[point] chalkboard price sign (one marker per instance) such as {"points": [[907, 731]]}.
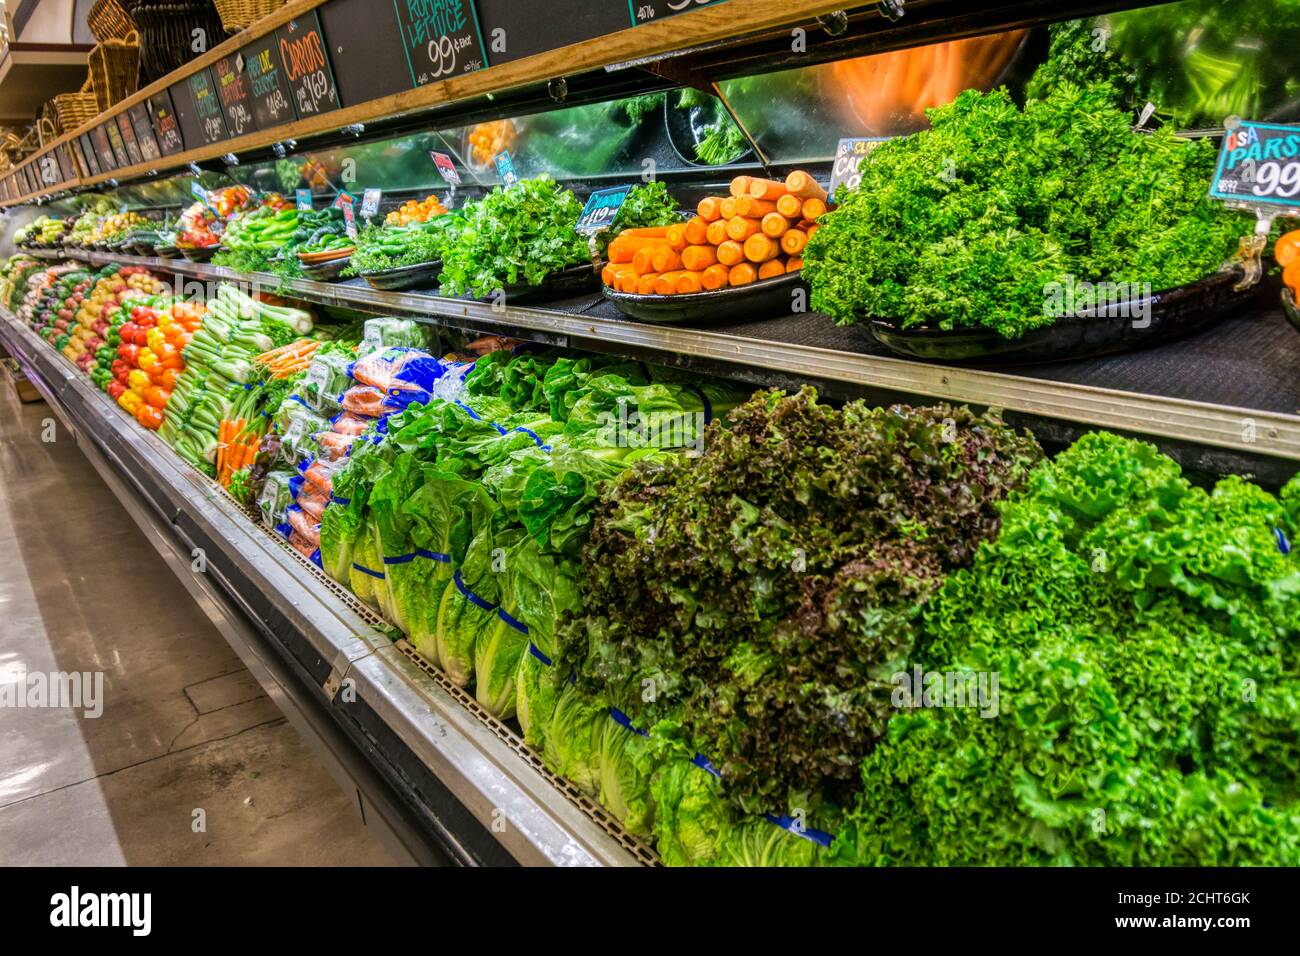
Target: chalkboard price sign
{"points": [[116, 145], [601, 209], [232, 89], [90, 162], [848, 155], [207, 108], [103, 149], [308, 75], [268, 92], [144, 132], [441, 38], [165, 126], [125, 130], [644, 11]]}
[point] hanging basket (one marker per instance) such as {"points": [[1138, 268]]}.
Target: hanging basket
{"points": [[75, 110], [47, 127], [238, 14], [115, 70], [109, 21]]}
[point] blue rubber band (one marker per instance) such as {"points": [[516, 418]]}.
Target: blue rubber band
{"points": [[1282, 543], [623, 720], [519, 626], [401, 559], [708, 406], [433, 555], [471, 596], [820, 837], [365, 570], [536, 652], [340, 501]]}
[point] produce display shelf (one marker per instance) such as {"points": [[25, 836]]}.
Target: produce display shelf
{"points": [[1223, 399], [458, 786]]}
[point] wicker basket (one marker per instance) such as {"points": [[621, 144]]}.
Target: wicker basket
{"points": [[238, 14], [167, 34], [115, 70], [108, 21], [76, 109]]}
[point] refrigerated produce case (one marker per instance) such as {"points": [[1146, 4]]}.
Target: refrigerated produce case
{"points": [[438, 774]]}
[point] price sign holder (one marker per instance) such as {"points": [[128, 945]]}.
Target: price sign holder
{"points": [[349, 220], [505, 164], [848, 155], [302, 199], [1259, 172], [598, 215], [370, 203], [447, 170]]}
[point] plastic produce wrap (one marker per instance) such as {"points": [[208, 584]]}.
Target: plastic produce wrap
{"points": [[350, 424], [369, 401], [275, 497], [382, 333], [295, 407], [326, 379], [304, 525], [298, 440], [320, 474], [304, 547], [312, 500], [398, 370], [334, 446]]}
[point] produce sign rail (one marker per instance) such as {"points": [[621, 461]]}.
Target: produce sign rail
{"points": [[1241, 415], [458, 774]]}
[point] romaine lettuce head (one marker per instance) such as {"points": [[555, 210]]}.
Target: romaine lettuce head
{"points": [[624, 788], [573, 737], [499, 646]]}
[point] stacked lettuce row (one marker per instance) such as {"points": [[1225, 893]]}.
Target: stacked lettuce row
{"points": [[1147, 636], [464, 521]]}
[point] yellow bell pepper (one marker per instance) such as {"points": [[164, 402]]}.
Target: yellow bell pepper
{"points": [[138, 381]]}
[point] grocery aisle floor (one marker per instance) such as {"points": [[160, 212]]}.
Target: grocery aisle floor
{"points": [[184, 727]]}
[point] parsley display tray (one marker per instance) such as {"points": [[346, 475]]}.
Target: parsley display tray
{"points": [[565, 282], [1291, 308], [1130, 324], [768, 297], [419, 275], [166, 252]]}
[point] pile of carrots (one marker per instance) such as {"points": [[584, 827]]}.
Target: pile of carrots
{"points": [[237, 446], [289, 359], [758, 232]]}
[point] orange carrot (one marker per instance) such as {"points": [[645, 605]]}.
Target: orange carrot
{"points": [[741, 228], [761, 248], [665, 260], [607, 275], [697, 231], [754, 208], [740, 185], [790, 206], [688, 282], [804, 186], [644, 256], [775, 225], [666, 284], [727, 208], [676, 236], [814, 209], [698, 258], [793, 241], [629, 282], [812, 230], [624, 248], [731, 252], [771, 269], [646, 284], [717, 232], [615, 272], [709, 208], [714, 277], [767, 189], [742, 274], [793, 264]]}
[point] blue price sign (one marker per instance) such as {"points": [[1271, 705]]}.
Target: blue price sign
{"points": [[506, 168], [1259, 165], [303, 197], [601, 209]]}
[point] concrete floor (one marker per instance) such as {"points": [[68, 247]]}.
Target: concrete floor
{"points": [[184, 728]]}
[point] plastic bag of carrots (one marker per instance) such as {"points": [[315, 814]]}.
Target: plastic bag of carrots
{"points": [[237, 444], [757, 232]]}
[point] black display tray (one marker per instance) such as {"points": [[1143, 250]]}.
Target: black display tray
{"points": [[328, 271], [570, 281], [200, 254], [421, 275], [1131, 324], [768, 297]]}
